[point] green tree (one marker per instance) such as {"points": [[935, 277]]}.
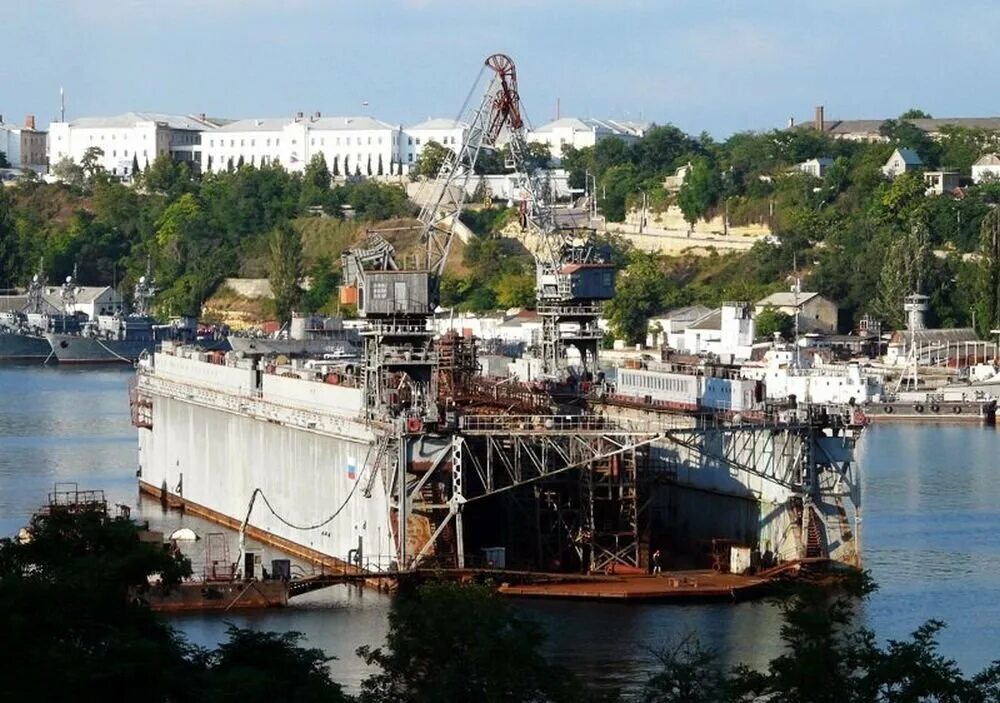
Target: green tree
{"points": [[10, 250], [988, 293], [771, 320], [90, 162], [316, 182], [266, 666], [642, 291], [915, 113], [616, 186], [481, 650], [69, 172], [285, 248], [431, 159], [516, 290], [4, 163], [700, 191], [906, 269]]}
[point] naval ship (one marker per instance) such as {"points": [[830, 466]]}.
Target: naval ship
{"points": [[26, 320], [107, 338], [307, 335]]}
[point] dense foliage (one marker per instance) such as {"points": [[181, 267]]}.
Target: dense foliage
{"points": [[192, 230], [70, 630], [855, 236]]}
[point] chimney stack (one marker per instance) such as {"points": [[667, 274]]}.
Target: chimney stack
{"points": [[820, 122], [791, 122], [29, 122], [201, 116], [318, 114], [298, 116]]}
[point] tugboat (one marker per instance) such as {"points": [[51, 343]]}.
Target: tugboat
{"points": [[108, 338]]}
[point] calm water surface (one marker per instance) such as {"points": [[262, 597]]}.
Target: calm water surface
{"points": [[931, 537]]}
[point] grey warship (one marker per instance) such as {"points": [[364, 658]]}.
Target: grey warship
{"points": [[25, 321], [114, 338]]}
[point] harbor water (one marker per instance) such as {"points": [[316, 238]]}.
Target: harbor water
{"points": [[930, 536]]}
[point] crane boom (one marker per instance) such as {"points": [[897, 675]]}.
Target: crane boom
{"points": [[498, 115]]}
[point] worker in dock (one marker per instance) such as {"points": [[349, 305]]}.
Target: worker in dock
{"points": [[657, 563]]}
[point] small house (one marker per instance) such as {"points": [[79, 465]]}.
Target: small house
{"points": [[815, 313], [987, 168], [902, 160], [816, 167], [940, 182]]}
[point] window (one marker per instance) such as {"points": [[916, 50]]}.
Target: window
{"points": [[322, 141], [241, 142], [380, 140], [338, 141], [232, 142], [114, 153], [211, 142], [126, 152], [380, 291], [268, 143], [277, 141], [418, 141], [409, 140], [312, 142], [369, 140], [409, 158], [253, 142]]}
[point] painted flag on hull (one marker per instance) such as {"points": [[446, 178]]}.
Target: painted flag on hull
{"points": [[352, 468]]}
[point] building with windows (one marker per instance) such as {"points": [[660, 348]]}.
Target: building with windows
{"points": [[449, 133], [352, 146], [23, 146], [571, 131], [135, 138], [986, 168]]}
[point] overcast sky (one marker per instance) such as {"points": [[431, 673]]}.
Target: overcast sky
{"points": [[702, 65]]}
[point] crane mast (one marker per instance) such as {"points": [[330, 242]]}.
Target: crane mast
{"points": [[397, 299]]}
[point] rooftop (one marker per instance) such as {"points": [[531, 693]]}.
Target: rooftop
{"points": [[276, 124], [909, 156], [988, 160], [935, 124], [131, 119], [711, 321], [439, 123], [786, 299], [590, 124]]}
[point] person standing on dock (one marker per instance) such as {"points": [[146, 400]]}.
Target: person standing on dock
{"points": [[657, 563]]}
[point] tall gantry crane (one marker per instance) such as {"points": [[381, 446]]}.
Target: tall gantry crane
{"points": [[397, 297]]}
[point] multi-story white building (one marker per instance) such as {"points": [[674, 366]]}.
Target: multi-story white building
{"points": [[23, 146], [583, 133], [129, 139], [351, 145], [449, 133]]}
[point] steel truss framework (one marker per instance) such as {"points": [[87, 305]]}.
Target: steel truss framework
{"points": [[812, 461]]}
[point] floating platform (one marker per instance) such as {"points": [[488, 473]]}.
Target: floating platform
{"points": [[203, 596], [679, 586]]}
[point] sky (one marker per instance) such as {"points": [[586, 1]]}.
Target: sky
{"points": [[705, 65]]}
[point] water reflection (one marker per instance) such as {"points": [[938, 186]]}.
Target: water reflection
{"points": [[930, 537]]}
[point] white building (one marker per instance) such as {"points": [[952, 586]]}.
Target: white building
{"points": [[901, 161], [986, 168], [727, 333], [23, 146], [129, 139], [815, 167], [449, 133], [351, 145], [579, 133], [668, 329]]}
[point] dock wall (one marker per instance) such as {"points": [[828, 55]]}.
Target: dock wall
{"points": [[217, 459]]}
